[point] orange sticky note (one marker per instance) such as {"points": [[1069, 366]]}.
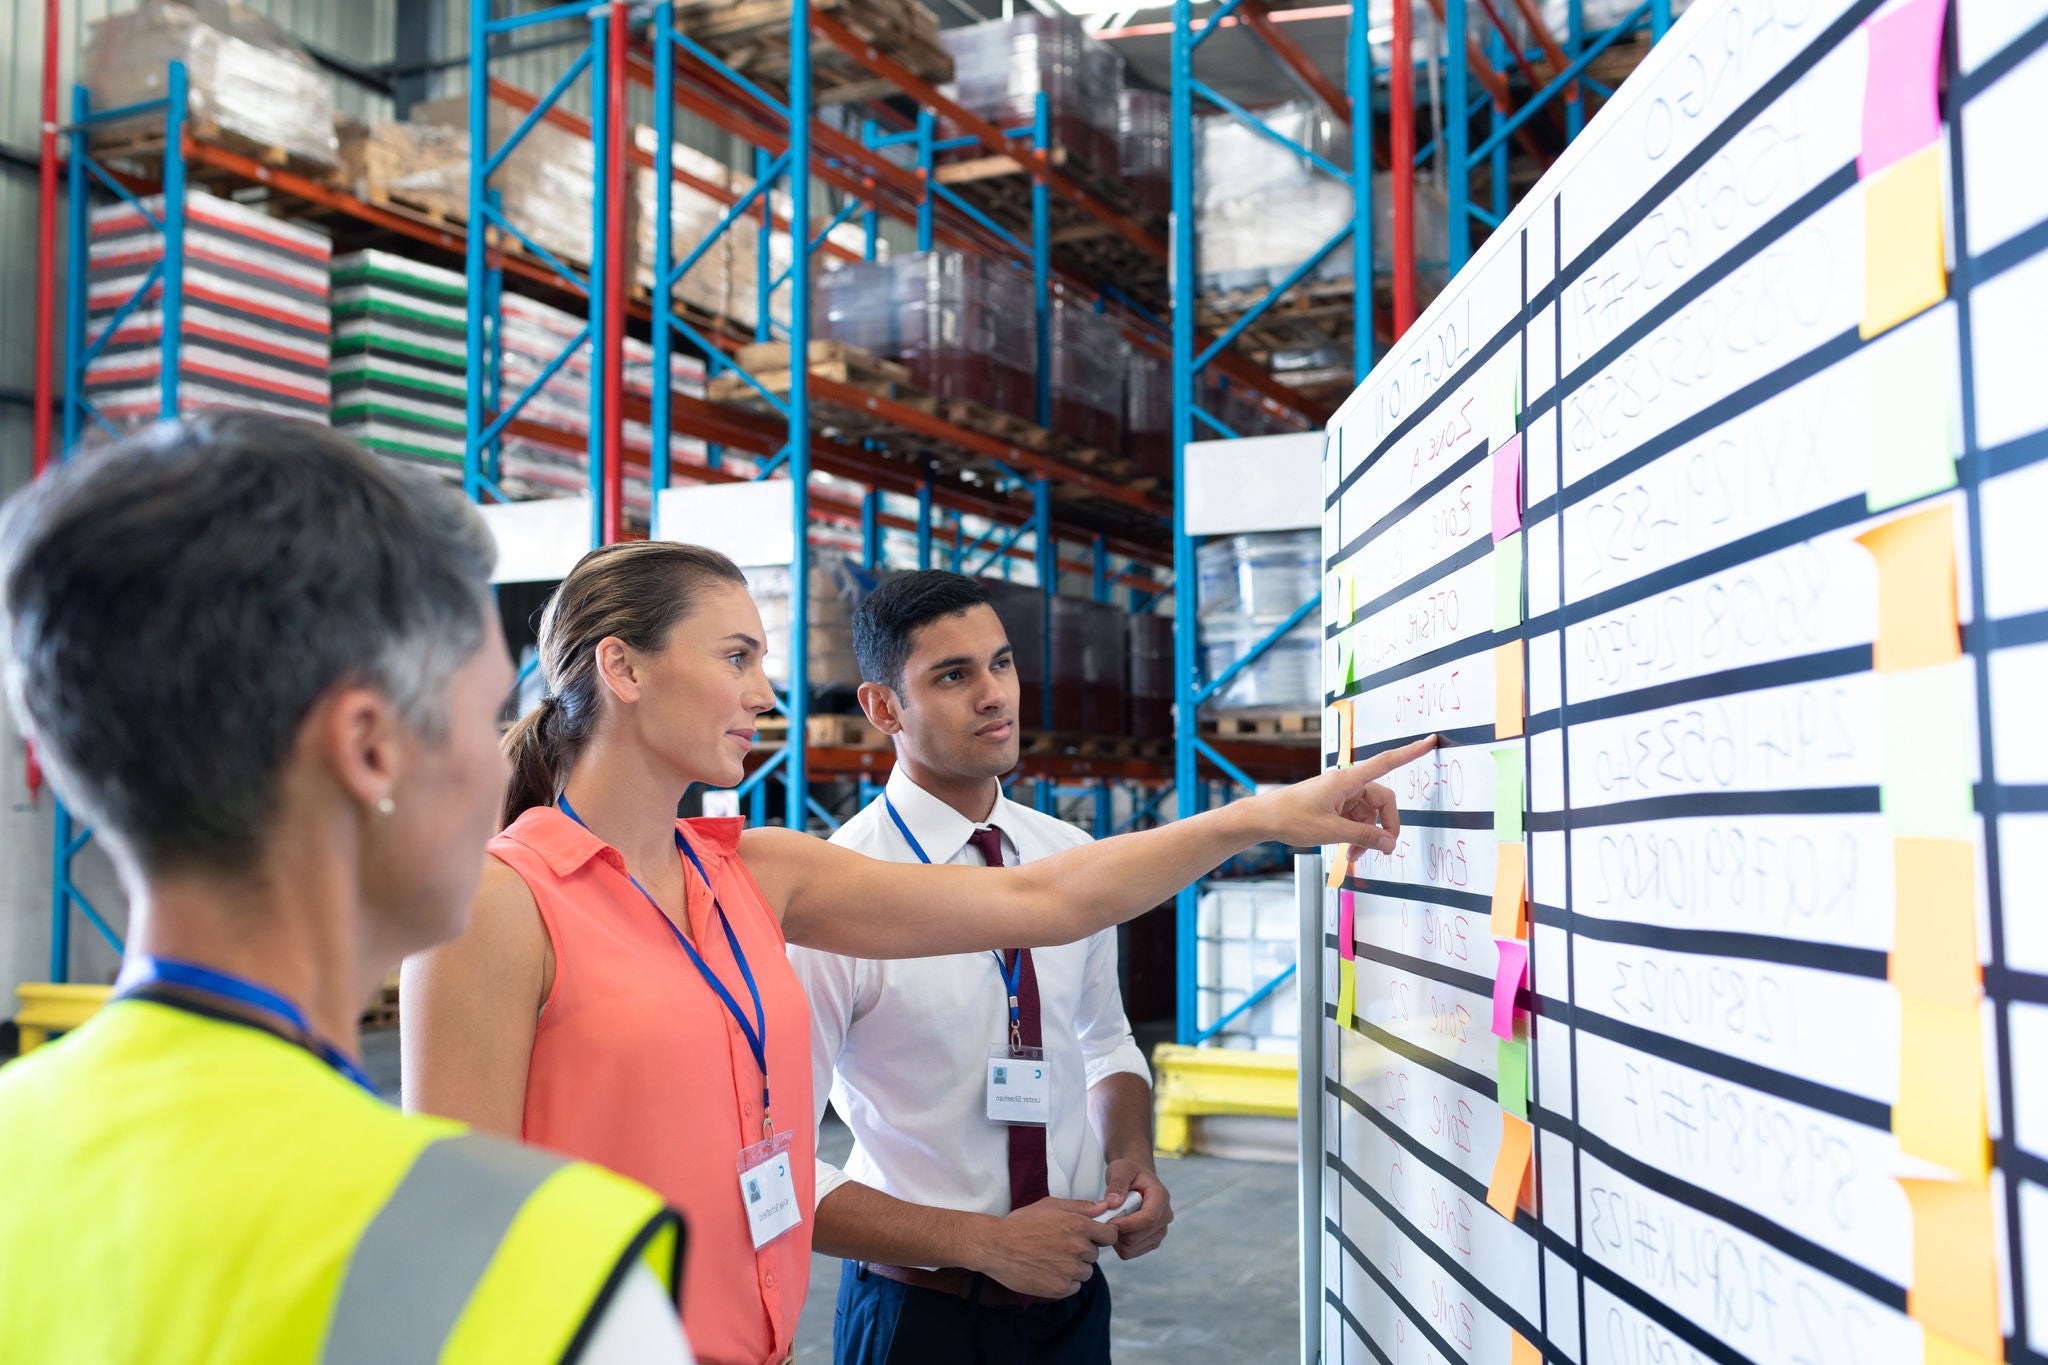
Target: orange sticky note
{"points": [[1955, 1267], [1939, 1115], [1511, 1167], [1510, 889], [1340, 868], [1903, 272], [1344, 738], [1507, 687], [1916, 590], [1934, 935], [1524, 1352]]}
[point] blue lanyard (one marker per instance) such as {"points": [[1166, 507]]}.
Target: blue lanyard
{"points": [[141, 970], [1011, 969], [756, 1031]]}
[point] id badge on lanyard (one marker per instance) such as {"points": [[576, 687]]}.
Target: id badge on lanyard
{"points": [[768, 1188], [1019, 1088]]}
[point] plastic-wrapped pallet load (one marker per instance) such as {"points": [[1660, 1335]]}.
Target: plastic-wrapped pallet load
{"points": [[1150, 705], [1248, 586], [1022, 612], [1245, 936], [245, 76], [1088, 680], [1087, 376], [1000, 67], [544, 184], [964, 325], [1148, 414], [1145, 149], [422, 166], [836, 588], [255, 325]]}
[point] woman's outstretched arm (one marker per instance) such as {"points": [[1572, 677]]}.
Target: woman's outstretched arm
{"points": [[837, 900]]}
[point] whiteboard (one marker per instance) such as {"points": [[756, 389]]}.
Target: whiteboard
{"points": [[1705, 515]]}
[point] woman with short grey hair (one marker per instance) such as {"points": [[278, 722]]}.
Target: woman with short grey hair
{"points": [[266, 666]]}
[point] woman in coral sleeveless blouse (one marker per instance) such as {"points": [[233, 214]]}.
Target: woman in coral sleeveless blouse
{"points": [[622, 993]]}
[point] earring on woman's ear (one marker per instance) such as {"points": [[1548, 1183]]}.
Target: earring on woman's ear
{"points": [[386, 806]]}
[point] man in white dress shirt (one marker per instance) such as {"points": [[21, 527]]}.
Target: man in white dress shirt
{"points": [[969, 1239]]}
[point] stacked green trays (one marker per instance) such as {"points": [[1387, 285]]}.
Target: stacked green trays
{"points": [[400, 359]]}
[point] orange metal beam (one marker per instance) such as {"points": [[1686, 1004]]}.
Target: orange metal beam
{"points": [[1291, 55]]}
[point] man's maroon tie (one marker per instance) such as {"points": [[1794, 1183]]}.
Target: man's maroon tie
{"points": [[1027, 1140]]}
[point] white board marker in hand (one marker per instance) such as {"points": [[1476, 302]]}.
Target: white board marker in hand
{"points": [[1131, 1203]]}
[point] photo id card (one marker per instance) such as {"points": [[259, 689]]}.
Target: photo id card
{"points": [[1019, 1085], [768, 1189]]}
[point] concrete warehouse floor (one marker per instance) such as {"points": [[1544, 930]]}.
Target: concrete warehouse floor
{"points": [[1221, 1288]]}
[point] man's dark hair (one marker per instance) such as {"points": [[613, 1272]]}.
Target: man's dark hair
{"points": [[175, 604], [887, 617]]}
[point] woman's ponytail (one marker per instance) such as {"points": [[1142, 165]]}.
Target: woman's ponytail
{"points": [[633, 591], [536, 775]]}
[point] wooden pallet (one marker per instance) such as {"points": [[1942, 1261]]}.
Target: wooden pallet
{"points": [[752, 37], [825, 732], [1271, 726], [836, 361], [994, 423], [144, 148]]}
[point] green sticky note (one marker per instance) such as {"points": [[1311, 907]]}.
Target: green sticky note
{"points": [[1507, 582], [1511, 1075], [1913, 436], [1507, 794], [1928, 744], [1350, 648]]}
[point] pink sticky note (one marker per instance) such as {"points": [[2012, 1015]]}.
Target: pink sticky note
{"points": [[1507, 488], [1507, 979], [1901, 107], [1347, 917]]}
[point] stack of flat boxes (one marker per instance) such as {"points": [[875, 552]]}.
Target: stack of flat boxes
{"points": [[400, 378], [400, 367], [1245, 935], [255, 325]]}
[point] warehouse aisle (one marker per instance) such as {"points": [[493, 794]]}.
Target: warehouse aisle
{"points": [[1221, 1288]]}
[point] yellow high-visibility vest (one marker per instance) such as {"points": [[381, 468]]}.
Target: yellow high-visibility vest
{"points": [[177, 1188]]}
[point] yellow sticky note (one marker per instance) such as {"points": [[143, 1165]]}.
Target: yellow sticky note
{"points": [[1955, 1267], [1524, 1352], [1340, 868], [1507, 690], [1939, 1116], [1916, 589], [1510, 889], [1511, 1166], [1934, 935], [1344, 738], [1347, 991], [1902, 251], [1939, 1350]]}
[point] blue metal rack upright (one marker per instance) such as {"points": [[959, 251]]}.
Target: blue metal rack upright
{"points": [[487, 416], [1191, 690], [80, 349]]}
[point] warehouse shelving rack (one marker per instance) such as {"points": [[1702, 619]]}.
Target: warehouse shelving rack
{"points": [[1137, 531], [81, 346], [1494, 63], [1016, 486]]}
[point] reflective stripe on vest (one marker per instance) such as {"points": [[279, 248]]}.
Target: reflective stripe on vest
{"points": [[421, 1258]]}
